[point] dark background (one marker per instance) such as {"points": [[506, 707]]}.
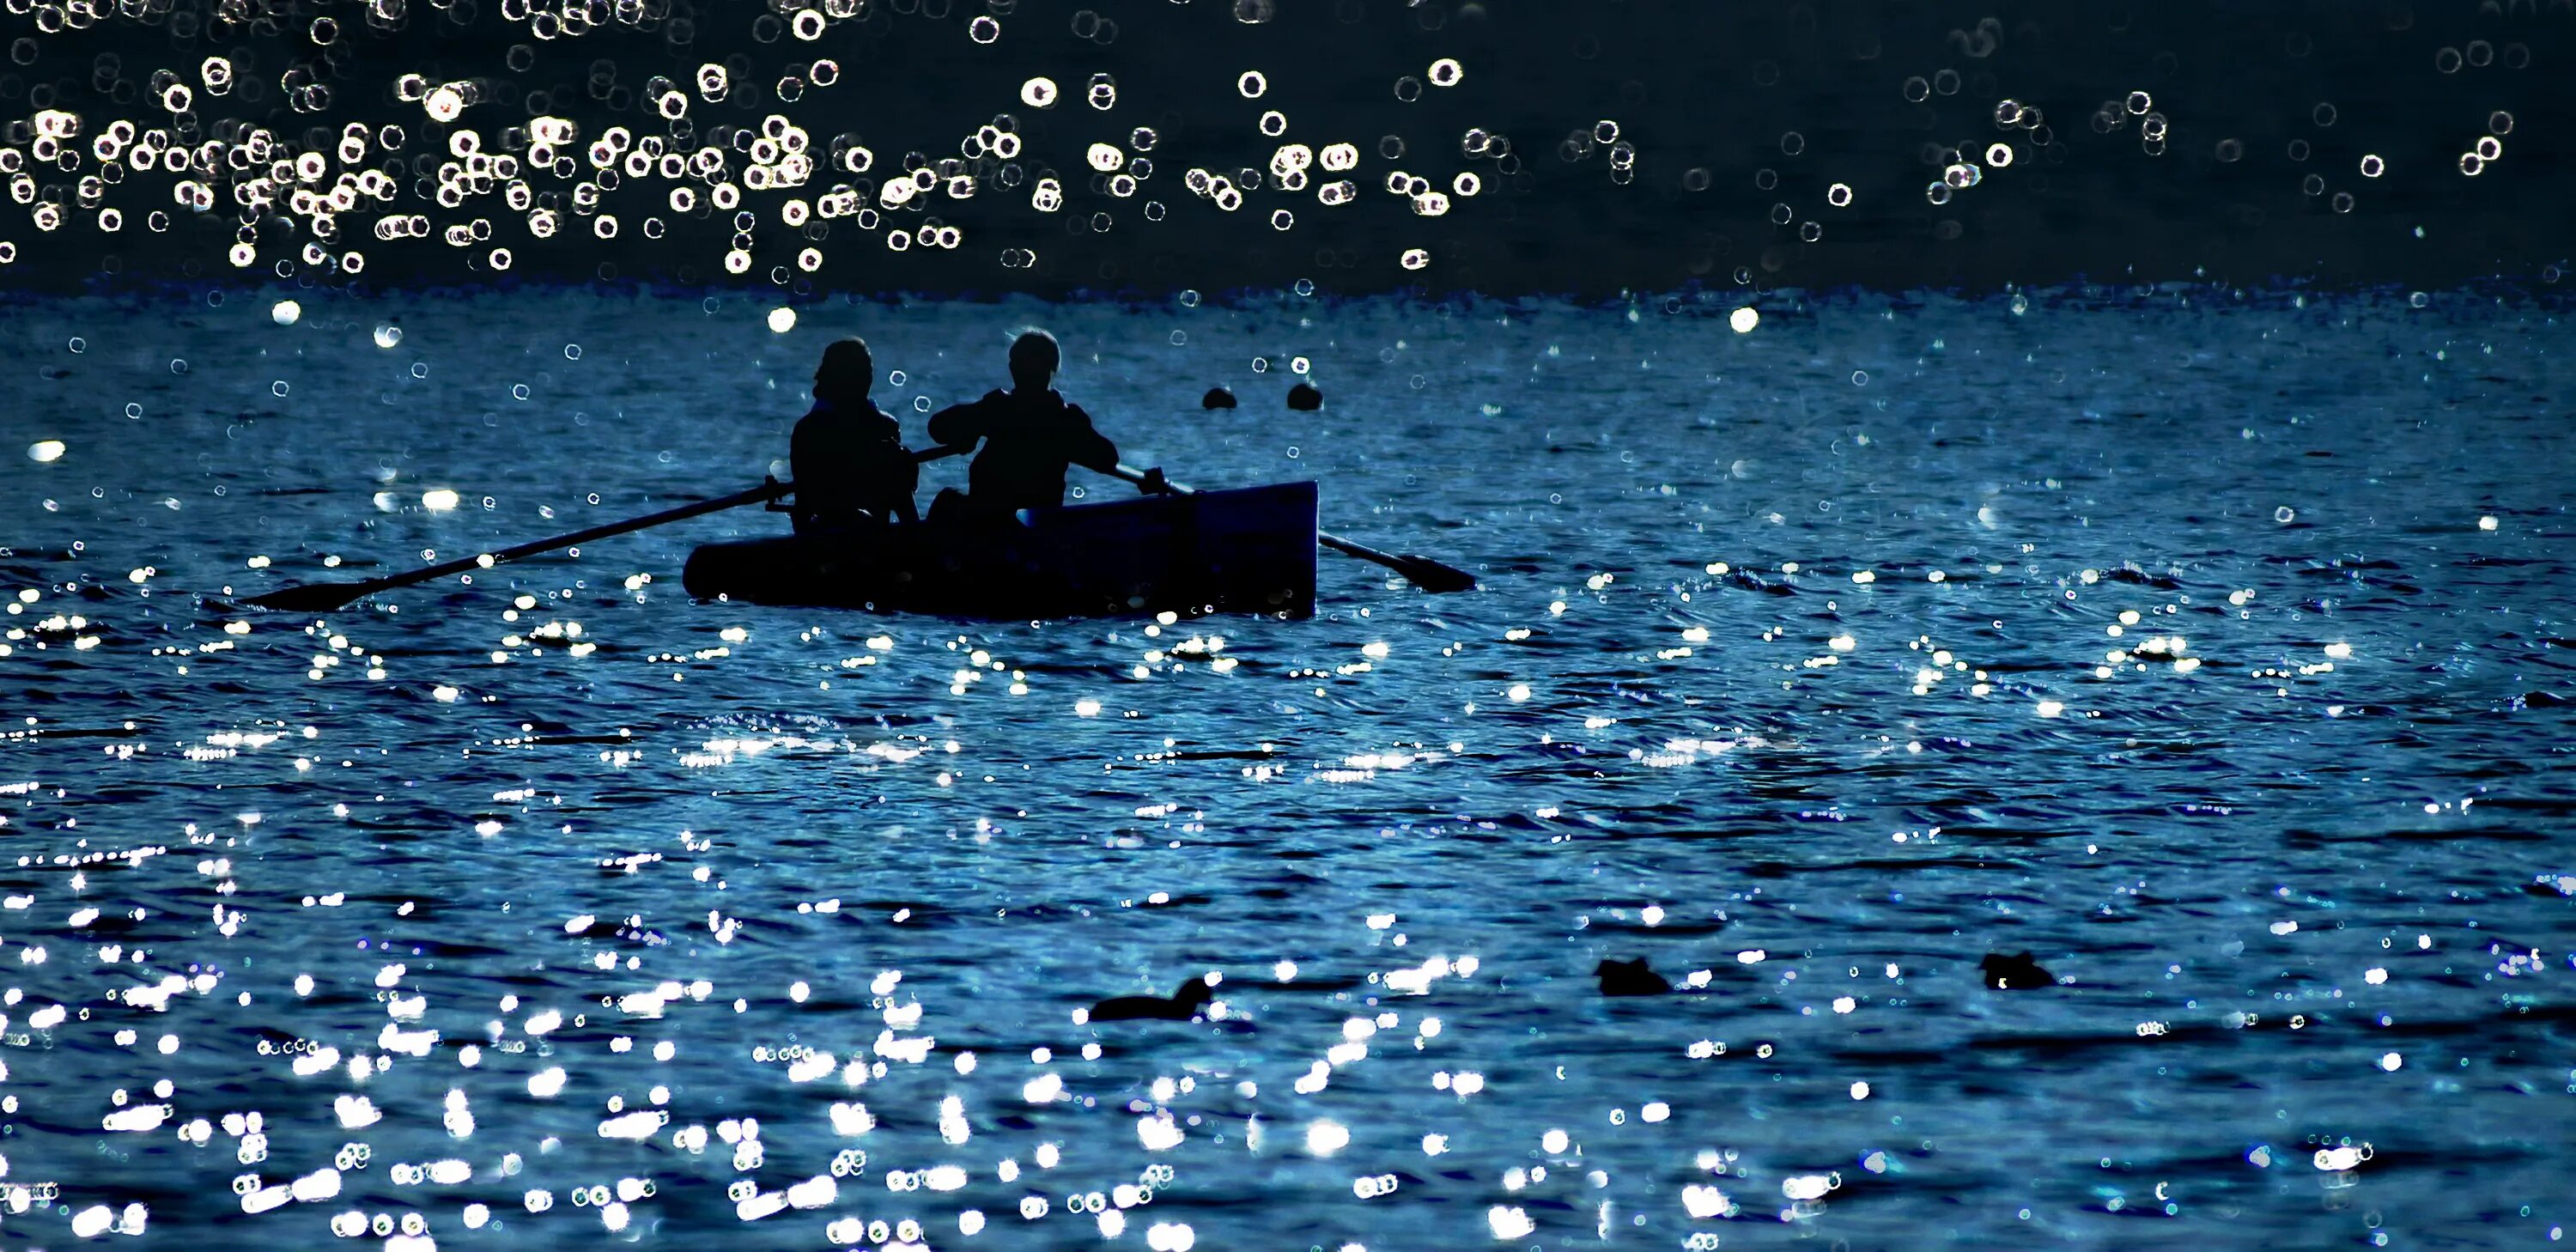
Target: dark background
{"points": [[2294, 91]]}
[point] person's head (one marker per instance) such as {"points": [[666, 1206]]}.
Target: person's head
{"points": [[1196, 992], [1034, 358], [847, 371]]}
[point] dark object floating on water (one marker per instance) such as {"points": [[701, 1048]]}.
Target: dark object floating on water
{"points": [[1217, 398], [1304, 398], [1186, 1005], [1630, 978], [1739, 578], [1244, 551], [2130, 573], [2014, 971]]}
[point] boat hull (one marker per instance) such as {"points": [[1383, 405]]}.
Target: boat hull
{"points": [[1244, 551]]}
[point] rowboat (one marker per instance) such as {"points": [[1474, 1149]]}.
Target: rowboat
{"points": [[1250, 550]]}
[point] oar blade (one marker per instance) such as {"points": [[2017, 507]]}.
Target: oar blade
{"points": [[1434, 576], [311, 598]]}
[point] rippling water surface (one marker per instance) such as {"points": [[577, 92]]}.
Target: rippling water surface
{"points": [[1812, 665]]}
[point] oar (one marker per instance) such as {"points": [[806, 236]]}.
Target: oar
{"points": [[1422, 571], [325, 597]]}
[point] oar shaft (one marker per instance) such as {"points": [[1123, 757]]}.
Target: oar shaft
{"points": [[766, 491], [329, 597], [1339, 544], [1137, 476], [770, 490]]}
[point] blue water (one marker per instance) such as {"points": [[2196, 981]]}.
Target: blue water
{"points": [[1805, 667]]}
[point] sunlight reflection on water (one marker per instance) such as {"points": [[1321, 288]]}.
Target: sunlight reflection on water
{"points": [[554, 906]]}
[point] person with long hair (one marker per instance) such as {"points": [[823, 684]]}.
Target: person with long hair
{"points": [[852, 470]]}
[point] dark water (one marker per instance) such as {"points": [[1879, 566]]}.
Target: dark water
{"points": [[497, 907]]}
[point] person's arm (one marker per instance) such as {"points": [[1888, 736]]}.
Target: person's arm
{"points": [[959, 425], [903, 473], [804, 465], [1087, 447], [884, 426]]}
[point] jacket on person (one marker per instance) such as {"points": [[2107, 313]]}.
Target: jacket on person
{"points": [[1029, 440], [850, 466]]}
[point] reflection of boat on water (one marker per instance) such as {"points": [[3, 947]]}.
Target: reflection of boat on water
{"points": [[1244, 551]]}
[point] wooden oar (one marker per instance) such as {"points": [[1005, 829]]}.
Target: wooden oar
{"points": [[325, 597], [1422, 571]]}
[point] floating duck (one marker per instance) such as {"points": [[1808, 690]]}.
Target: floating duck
{"points": [[2014, 971], [1630, 978], [1187, 1004], [2169, 648]]}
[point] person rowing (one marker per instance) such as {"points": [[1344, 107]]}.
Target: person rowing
{"points": [[1030, 434], [851, 468], [853, 475]]}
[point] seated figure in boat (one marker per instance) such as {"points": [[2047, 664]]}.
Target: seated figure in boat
{"points": [[852, 470], [1030, 435]]}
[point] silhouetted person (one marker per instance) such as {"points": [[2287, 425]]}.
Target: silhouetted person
{"points": [[1186, 1004], [1630, 978], [1030, 434], [851, 468], [2014, 972], [1305, 398]]}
